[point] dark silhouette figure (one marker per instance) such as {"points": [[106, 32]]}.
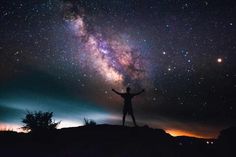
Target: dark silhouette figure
{"points": [[128, 103]]}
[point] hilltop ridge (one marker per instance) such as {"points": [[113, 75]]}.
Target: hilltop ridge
{"points": [[108, 140]]}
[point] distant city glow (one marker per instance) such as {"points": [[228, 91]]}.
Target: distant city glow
{"points": [[69, 123], [10, 127], [175, 133]]}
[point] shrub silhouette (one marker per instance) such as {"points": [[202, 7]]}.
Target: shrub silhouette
{"points": [[39, 121], [89, 122]]}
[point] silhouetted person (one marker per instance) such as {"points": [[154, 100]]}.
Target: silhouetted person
{"points": [[128, 103]]}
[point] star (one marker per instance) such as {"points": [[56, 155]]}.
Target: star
{"points": [[219, 60]]}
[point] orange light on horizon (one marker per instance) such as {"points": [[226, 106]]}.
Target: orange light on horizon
{"points": [[175, 132], [10, 127]]}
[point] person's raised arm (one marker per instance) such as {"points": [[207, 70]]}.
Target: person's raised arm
{"points": [[116, 92], [138, 92]]}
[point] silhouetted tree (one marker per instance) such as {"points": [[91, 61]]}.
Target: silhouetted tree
{"points": [[39, 121], [89, 122]]}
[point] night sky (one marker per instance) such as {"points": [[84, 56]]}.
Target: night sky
{"points": [[66, 56]]}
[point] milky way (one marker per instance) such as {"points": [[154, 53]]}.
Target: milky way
{"points": [[115, 60]]}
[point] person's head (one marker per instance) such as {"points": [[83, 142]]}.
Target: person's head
{"points": [[128, 89]]}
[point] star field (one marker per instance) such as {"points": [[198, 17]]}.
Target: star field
{"points": [[72, 52]]}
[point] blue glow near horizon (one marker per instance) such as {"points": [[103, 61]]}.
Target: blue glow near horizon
{"points": [[70, 112]]}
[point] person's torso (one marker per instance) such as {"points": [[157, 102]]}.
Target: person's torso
{"points": [[127, 98]]}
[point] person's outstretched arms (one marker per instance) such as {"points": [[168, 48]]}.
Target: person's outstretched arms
{"points": [[139, 92], [116, 92]]}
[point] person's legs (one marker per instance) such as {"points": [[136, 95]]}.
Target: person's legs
{"points": [[124, 114], [132, 115]]}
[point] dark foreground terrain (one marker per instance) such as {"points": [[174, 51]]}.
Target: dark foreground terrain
{"points": [[114, 141]]}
